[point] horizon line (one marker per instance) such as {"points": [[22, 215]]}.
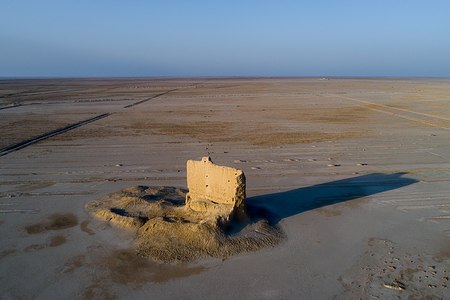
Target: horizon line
{"points": [[219, 77]]}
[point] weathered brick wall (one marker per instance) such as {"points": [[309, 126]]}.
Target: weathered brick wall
{"points": [[218, 184]]}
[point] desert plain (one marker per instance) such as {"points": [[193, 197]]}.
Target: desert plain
{"points": [[354, 171]]}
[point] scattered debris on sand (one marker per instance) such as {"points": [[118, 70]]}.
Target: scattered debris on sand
{"points": [[386, 271], [174, 225]]}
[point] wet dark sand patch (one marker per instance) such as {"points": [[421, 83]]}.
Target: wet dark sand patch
{"points": [[336, 210], [35, 247], [356, 202], [98, 291], [53, 242], [56, 222], [57, 241], [7, 252], [74, 263], [123, 267], [329, 212], [443, 256], [84, 227], [30, 186], [126, 267]]}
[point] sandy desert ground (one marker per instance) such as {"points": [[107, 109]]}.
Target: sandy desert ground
{"points": [[355, 171]]}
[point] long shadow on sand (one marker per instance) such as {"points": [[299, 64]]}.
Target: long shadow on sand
{"points": [[277, 206]]}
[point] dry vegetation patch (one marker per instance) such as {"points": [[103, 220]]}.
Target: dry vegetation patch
{"points": [[331, 115], [261, 134]]}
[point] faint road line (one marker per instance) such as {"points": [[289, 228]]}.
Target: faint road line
{"points": [[396, 108], [148, 99], [398, 115], [34, 140], [10, 106], [162, 94], [438, 155]]}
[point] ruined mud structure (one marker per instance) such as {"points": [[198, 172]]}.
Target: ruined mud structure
{"points": [[174, 225], [217, 192]]}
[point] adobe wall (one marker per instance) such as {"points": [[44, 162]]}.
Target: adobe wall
{"points": [[218, 184]]}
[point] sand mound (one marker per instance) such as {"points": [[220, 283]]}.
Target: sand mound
{"points": [[169, 231]]}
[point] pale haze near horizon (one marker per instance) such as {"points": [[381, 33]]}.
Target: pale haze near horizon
{"points": [[224, 38]]}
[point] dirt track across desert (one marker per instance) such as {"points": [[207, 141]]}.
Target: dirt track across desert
{"points": [[355, 171]]}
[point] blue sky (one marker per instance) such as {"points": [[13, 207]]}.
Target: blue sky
{"points": [[224, 38]]}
